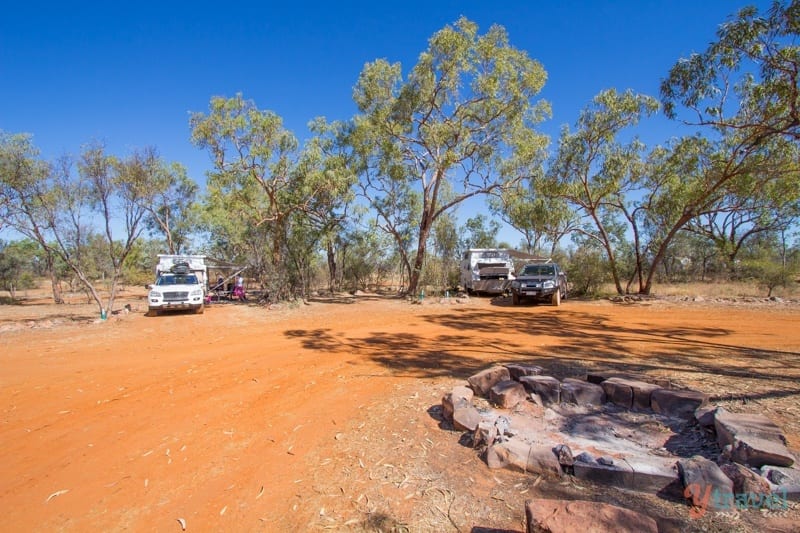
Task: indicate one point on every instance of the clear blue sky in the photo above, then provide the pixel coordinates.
(129, 73)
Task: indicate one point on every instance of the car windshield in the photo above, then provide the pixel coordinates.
(177, 279)
(539, 270)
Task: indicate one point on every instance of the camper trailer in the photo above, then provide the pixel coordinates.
(486, 270)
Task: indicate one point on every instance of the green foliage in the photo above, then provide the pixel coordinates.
(587, 271)
(479, 232)
(366, 260)
(745, 84)
(593, 171)
(460, 125)
(267, 202)
(16, 266)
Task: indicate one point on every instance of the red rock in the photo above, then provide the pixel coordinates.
(484, 380)
(563, 516)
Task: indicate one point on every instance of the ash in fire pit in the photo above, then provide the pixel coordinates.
(624, 431)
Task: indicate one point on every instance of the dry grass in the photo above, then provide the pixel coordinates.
(715, 289)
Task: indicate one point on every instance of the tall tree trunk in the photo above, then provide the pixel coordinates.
(331, 253)
(662, 250)
(55, 284)
(419, 260)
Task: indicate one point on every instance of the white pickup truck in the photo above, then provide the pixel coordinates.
(180, 284)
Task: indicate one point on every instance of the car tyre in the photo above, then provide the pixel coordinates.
(556, 298)
(514, 298)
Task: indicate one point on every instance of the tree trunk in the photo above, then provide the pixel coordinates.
(331, 253)
(662, 249)
(419, 260)
(55, 284)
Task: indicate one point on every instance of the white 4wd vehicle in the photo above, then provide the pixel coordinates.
(177, 288)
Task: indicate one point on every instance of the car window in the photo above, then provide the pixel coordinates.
(538, 270)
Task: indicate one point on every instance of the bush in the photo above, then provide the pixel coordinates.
(587, 271)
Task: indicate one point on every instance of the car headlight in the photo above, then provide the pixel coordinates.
(196, 292)
(548, 284)
(155, 294)
(515, 284)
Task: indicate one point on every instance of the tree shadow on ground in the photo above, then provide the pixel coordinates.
(577, 342)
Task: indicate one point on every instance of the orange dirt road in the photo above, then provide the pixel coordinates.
(212, 421)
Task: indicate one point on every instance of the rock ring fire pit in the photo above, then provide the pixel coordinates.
(626, 431)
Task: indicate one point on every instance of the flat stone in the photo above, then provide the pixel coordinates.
(618, 393)
(705, 416)
(640, 391)
(677, 403)
(785, 481)
(778, 475)
(507, 394)
(547, 387)
(466, 417)
(484, 380)
(459, 395)
(618, 475)
(745, 481)
(754, 439)
(517, 370)
(568, 516)
(655, 476)
(599, 376)
(516, 454)
(484, 434)
(582, 392)
(705, 485)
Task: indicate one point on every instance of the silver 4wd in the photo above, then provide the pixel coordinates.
(540, 282)
(177, 288)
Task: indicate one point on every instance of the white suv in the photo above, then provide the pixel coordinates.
(176, 289)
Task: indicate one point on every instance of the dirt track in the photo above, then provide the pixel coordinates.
(323, 415)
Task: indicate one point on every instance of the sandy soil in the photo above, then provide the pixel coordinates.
(324, 415)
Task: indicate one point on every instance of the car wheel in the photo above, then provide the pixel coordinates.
(556, 298)
(514, 298)
(200, 310)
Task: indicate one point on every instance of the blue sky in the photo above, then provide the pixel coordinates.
(129, 74)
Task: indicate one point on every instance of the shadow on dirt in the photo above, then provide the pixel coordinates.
(577, 342)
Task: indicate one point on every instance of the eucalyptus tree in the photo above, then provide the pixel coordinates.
(328, 158)
(263, 183)
(479, 232)
(115, 191)
(463, 116)
(743, 92)
(753, 207)
(541, 216)
(594, 172)
(172, 213)
(745, 85)
(252, 186)
(25, 191)
(89, 219)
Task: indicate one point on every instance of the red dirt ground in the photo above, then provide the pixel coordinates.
(323, 415)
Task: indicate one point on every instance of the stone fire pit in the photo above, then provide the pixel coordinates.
(626, 431)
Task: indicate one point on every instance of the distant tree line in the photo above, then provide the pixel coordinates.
(375, 198)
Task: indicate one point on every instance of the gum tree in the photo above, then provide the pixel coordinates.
(461, 122)
(743, 93)
(593, 171)
(262, 185)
